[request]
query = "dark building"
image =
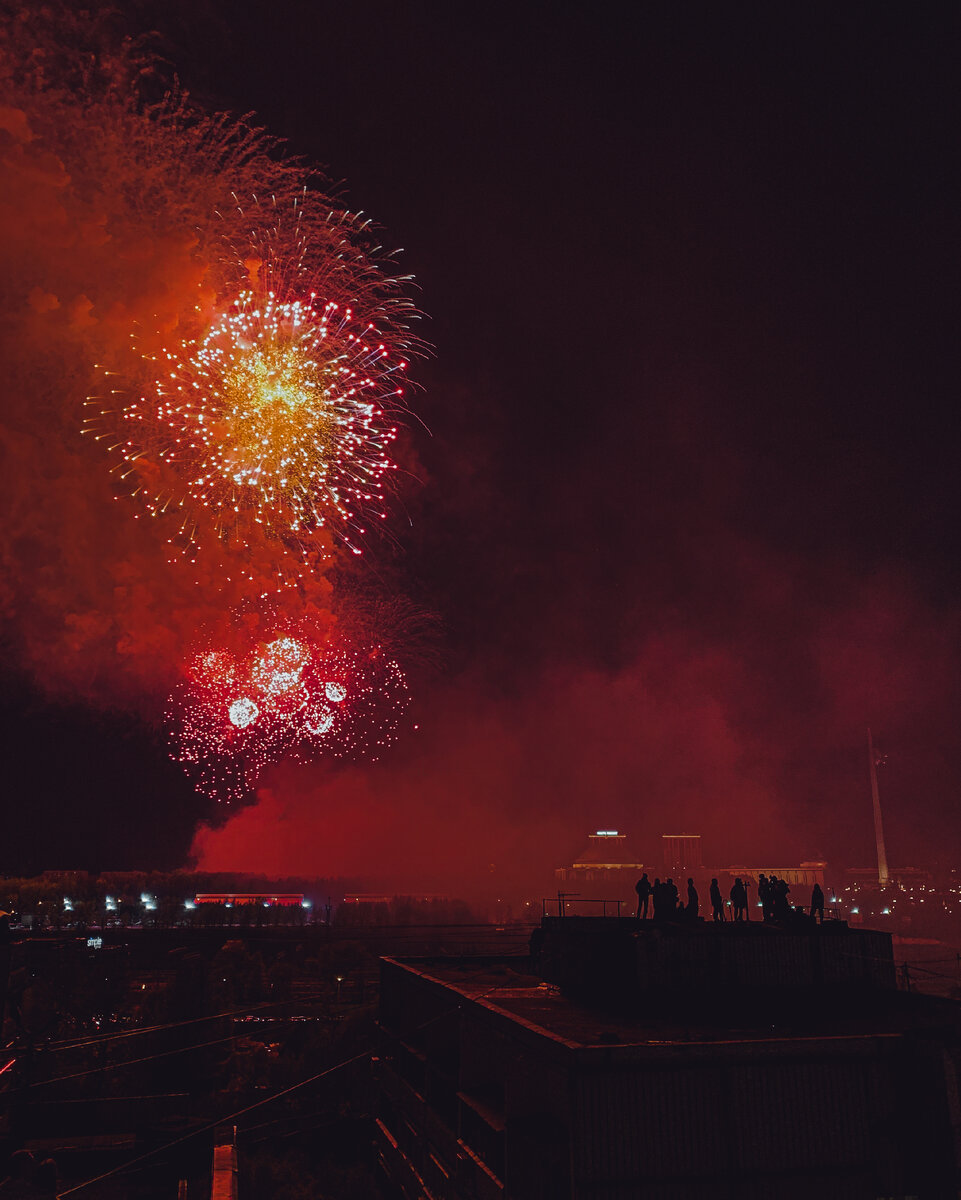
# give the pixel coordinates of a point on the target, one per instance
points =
(671, 1064)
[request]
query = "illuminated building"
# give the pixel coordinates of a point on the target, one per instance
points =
(606, 860)
(681, 853)
(804, 876)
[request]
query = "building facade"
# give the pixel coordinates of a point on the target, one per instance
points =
(493, 1083)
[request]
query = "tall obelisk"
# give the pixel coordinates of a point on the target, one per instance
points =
(878, 826)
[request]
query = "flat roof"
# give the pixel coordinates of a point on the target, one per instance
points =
(506, 986)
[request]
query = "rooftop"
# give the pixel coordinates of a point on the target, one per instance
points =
(506, 986)
(686, 1014)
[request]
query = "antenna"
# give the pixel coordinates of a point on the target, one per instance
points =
(878, 826)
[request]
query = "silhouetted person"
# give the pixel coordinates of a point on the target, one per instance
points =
(671, 898)
(817, 903)
(691, 900)
(657, 898)
(738, 899)
(764, 895)
(782, 907)
(643, 889)
(717, 903)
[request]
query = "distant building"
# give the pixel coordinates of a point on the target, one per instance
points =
(681, 853)
(239, 899)
(804, 876)
(606, 867)
(806, 1073)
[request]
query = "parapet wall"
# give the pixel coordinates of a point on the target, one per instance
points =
(596, 954)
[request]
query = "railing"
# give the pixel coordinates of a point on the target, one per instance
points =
(561, 905)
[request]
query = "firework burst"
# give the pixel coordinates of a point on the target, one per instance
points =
(235, 715)
(274, 422)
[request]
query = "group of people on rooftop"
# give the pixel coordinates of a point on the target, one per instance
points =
(664, 902)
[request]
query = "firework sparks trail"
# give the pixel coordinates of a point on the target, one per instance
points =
(249, 356)
(234, 716)
(274, 420)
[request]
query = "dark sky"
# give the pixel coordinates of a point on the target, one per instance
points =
(689, 509)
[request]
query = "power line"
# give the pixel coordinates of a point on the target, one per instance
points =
(213, 1124)
(100, 1039)
(260, 1103)
(132, 1062)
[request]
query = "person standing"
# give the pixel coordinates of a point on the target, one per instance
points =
(717, 903)
(691, 901)
(738, 899)
(782, 906)
(643, 889)
(764, 895)
(817, 904)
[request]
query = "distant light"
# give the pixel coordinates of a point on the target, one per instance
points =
(68, 904)
(144, 897)
(305, 904)
(111, 904)
(266, 904)
(189, 904)
(855, 909)
(885, 912)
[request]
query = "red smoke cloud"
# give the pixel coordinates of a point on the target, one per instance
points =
(755, 744)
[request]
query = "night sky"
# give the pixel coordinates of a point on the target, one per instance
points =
(688, 508)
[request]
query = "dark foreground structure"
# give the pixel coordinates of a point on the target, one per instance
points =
(670, 1063)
